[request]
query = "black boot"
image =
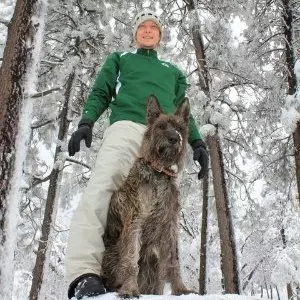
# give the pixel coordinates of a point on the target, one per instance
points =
(88, 285)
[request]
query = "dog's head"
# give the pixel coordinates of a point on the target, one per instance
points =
(166, 138)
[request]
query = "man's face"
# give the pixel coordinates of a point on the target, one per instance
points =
(148, 35)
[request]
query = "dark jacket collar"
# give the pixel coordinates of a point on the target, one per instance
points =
(147, 52)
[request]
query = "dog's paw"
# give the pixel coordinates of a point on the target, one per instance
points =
(128, 296)
(126, 292)
(183, 292)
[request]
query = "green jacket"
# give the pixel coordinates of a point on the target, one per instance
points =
(126, 80)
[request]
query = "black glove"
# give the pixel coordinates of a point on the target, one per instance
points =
(84, 132)
(201, 155)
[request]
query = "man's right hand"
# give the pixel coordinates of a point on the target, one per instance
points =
(84, 132)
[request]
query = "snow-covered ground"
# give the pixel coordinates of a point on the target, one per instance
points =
(114, 296)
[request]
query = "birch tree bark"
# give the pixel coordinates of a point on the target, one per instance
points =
(228, 248)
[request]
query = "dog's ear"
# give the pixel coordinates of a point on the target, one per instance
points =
(183, 110)
(153, 109)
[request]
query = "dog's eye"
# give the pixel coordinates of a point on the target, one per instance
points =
(178, 127)
(162, 125)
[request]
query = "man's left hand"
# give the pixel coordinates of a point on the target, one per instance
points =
(201, 155)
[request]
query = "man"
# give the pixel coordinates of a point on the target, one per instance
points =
(123, 84)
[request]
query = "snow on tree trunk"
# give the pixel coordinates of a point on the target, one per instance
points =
(228, 248)
(17, 76)
(290, 56)
(51, 203)
(203, 81)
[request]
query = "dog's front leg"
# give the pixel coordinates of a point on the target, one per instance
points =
(177, 285)
(129, 256)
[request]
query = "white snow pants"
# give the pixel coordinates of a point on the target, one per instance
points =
(120, 147)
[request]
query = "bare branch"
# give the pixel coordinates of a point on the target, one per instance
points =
(67, 16)
(52, 63)
(4, 22)
(36, 126)
(78, 162)
(44, 93)
(121, 21)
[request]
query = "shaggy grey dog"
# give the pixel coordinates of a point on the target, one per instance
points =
(142, 223)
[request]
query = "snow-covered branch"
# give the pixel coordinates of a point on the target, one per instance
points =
(44, 93)
(78, 162)
(4, 22)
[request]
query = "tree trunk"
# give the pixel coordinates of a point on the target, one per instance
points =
(51, 203)
(267, 291)
(228, 251)
(12, 78)
(17, 58)
(203, 246)
(278, 295)
(284, 242)
(290, 56)
(249, 277)
(289, 291)
(204, 84)
(298, 291)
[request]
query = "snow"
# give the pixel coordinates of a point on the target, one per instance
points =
(207, 130)
(289, 119)
(39, 22)
(114, 296)
(6, 11)
(297, 70)
(291, 111)
(237, 27)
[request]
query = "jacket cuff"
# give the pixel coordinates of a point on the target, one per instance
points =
(198, 143)
(84, 122)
